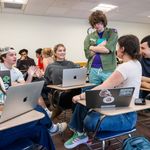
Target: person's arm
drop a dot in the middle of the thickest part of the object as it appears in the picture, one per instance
(114, 80)
(87, 43)
(109, 46)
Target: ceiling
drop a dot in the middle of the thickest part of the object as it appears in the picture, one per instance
(128, 10)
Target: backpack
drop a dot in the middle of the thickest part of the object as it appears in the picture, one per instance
(136, 143)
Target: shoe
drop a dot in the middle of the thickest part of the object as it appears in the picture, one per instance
(60, 127)
(76, 140)
(49, 113)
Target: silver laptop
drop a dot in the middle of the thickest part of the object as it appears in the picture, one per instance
(109, 98)
(74, 77)
(21, 99)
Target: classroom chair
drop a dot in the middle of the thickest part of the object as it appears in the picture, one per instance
(108, 136)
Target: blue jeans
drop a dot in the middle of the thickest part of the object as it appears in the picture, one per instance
(98, 76)
(36, 131)
(85, 120)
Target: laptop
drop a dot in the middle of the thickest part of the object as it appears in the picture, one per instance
(74, 77)
(21, 99)
(109, 98)
(5, 75)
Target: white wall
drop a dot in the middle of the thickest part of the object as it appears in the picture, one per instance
(32, 32)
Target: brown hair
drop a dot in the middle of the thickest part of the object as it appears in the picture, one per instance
(131, 45)
(48, 52)
(56, 48)
(97, 17)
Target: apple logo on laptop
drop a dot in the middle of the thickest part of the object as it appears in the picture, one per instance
(25, 99)
(75, 77)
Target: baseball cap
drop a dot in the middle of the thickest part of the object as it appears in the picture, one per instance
(5, 50)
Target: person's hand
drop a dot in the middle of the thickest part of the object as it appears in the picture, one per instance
(91, 48)
(76, 98)
(38, 73)
(31, 71)
(22, 57)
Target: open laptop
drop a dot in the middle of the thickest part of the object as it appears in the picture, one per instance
(109, 98)
(74, 77)
(5, 75)
(21, 99)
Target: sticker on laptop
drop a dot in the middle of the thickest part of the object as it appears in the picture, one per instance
(126, 92)
(104, 93)
(107, 96)
(108, 99)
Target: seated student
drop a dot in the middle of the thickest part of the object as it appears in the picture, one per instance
(40, 58)
(38, 131)
(24, 62)
(8, 59)
(53, 75)
(47, 54)
(145, 61)
(127, 74)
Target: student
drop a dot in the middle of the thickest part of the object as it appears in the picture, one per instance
(53, 75)
(24, 62)
(8, 58)
(39, 57)
(99, 48)
(145, 60)
(37, 131)
(47, 54)
(127, 74)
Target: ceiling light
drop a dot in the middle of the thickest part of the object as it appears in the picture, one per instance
(148, 16)
(15, 1)
(104, 7)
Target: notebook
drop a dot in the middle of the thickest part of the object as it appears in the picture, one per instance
(5, 75)
(21, 99)
(109, 98)
(74, 77)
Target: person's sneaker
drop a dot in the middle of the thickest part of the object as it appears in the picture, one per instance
(49, 113)
(60, 127)
(76, 140)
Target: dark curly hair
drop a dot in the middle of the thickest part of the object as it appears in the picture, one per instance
(97, 17)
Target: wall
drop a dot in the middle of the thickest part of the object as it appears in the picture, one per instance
(32, 32)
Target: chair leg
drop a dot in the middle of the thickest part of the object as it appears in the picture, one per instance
(103, 145)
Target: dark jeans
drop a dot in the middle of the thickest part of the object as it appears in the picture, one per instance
(85, 120)
(36, 131)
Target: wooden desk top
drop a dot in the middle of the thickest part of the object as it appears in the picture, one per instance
(58, 87)
(144, 89)
(22, 119)
(119, 110)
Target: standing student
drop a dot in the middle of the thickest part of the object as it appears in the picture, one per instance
(123, 76)
(99, 48)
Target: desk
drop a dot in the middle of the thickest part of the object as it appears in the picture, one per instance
(58, 87)
(144, 89)
(115, 111)
(119, 110)
(22, 119)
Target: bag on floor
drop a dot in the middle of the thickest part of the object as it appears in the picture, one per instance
(136, 143)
